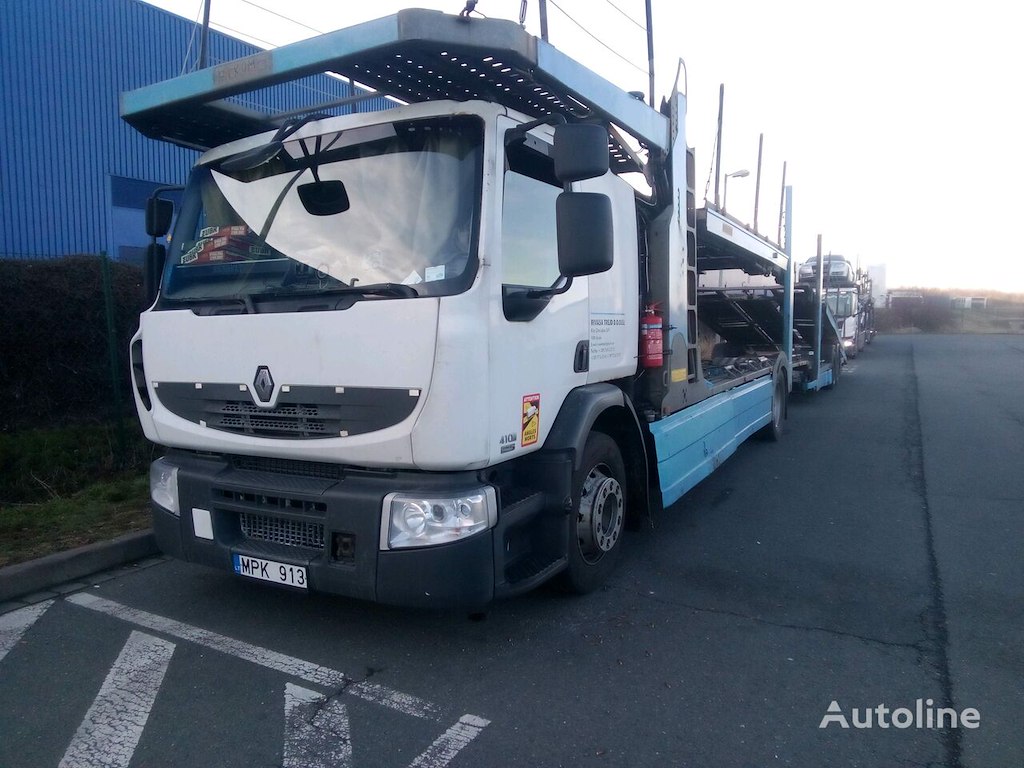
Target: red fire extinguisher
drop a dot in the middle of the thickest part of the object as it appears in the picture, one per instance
(652, 353)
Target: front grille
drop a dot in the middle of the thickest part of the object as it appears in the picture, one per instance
(277, 530)
(301, 412)
(316, 469)
(270, 502)
(298, 420)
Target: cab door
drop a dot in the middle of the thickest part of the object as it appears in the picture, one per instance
(539, 344)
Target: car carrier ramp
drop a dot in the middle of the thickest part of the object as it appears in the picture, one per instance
(804, 306)
(413, 56)
(745, 316)
(725, 243)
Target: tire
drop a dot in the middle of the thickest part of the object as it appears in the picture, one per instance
(772, 431)
(598, 519)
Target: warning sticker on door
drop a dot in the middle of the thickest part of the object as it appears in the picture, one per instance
(531, 419)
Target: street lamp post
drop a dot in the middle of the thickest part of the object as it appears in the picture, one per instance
(736, 175)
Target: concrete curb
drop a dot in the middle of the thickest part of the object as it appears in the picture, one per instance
(44, 572)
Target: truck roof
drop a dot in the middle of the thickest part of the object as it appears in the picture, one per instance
(414, 55)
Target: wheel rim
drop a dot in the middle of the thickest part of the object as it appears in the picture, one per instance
(601, 514)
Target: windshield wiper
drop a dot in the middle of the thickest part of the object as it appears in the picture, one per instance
(397, 290)
(247, 301)
(394, 290)
(244, 300)
(252, 159)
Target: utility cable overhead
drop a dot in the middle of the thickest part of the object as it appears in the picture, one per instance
(242, 35)
(598, 40)
(282, 16)
(635, 22)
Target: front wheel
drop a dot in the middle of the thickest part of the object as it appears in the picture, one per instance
(598, 516)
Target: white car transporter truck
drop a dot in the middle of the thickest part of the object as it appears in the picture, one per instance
(440, 353)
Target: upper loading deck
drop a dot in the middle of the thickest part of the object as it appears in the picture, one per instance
(413, 56)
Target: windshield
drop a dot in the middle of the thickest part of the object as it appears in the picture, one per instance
(843, 304)
(387, 211)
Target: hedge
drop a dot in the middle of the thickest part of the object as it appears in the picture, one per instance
(55, 365)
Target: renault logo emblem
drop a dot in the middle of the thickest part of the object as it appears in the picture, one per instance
(263, 384)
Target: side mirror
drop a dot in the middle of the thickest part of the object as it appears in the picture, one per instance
(580, 152)
(586, 243)
(158, 216)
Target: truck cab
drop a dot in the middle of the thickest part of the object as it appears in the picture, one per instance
(845, 305)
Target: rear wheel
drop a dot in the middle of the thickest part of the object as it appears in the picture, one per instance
(598, 518)
(773, 430)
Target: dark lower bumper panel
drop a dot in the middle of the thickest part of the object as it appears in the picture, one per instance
(331, 525)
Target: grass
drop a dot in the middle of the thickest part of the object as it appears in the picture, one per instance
(101, 511)
(42, 464)
(63, 488)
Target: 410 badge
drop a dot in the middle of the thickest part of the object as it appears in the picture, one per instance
(508, 442)
(531, 420)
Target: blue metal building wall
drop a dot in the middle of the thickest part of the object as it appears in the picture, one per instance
(63, 64)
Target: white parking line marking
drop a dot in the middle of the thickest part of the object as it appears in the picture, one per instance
(388, 697)
(316, 730)
(113, 725)
(14, 624)
(451, 742)
(289, 665)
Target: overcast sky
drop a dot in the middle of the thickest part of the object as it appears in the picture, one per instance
(901, 122)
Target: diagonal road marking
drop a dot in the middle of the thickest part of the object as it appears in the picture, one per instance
(289, 665)
(316, 730)
(451, 742)
(114, 723)
(14, 624)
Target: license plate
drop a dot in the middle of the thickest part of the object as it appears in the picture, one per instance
(269, 570)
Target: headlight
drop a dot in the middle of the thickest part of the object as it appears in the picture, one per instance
(163, 485)
(422, 521)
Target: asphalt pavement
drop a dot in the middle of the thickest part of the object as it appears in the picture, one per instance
(871, 559)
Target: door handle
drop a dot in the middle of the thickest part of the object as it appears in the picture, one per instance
(581, 362)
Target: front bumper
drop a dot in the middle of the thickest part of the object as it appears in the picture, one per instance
(327, 519)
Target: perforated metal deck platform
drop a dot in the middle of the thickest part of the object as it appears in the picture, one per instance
(413, 56)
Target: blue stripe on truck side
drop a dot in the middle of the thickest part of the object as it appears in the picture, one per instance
(691, 443)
